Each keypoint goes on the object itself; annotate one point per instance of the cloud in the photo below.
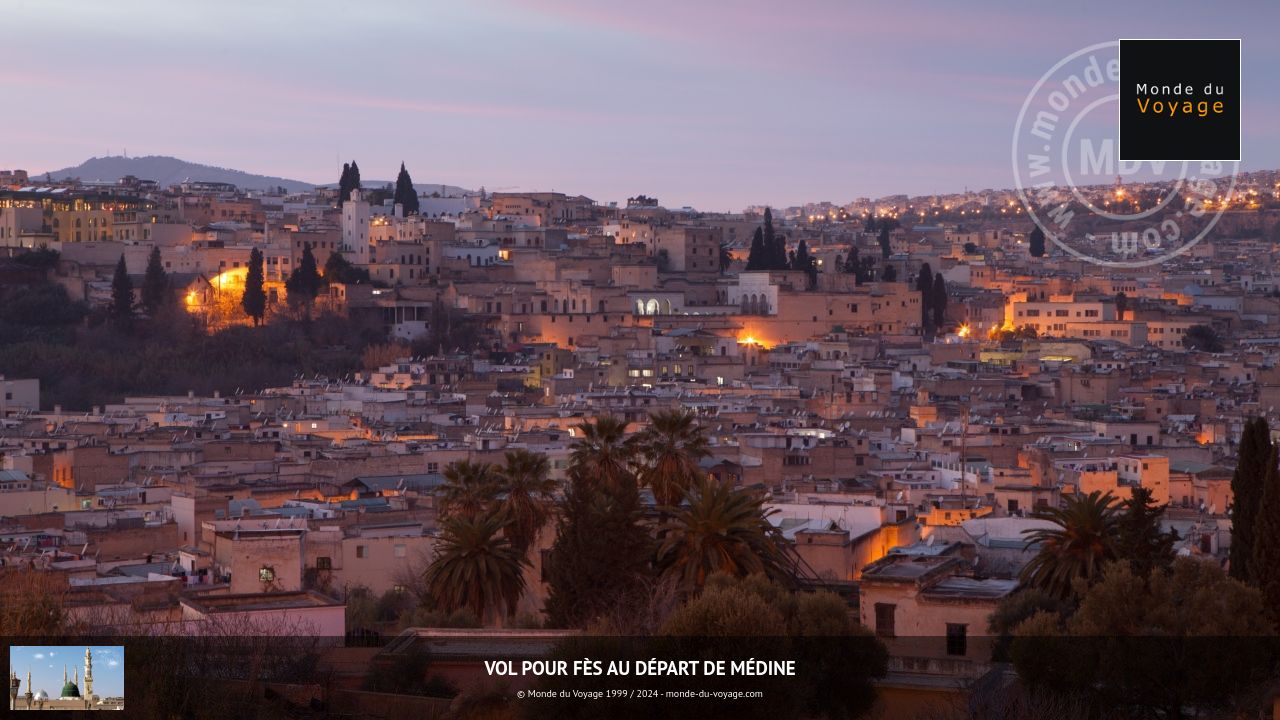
(38, 656)
(113, 663)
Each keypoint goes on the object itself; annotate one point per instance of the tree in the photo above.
(337, 269)
(1246, 489)
(1122, 302)
(349, 181)
(1035, 242)
(885, 248)
(602, 454)
(970, 249)
(155, 284)
(671, 447)
(1266, 541)
(938, 299)
(726, 258)
(756, 258)
(406, 196)
(254, 300)
(924, 285)
(1190, 637)
(1140, 540)
(121, 307)
(775, 246)
(1203, 338)
(526, 495)
(602, 554)
(1083, 541)
(304, 282)
(469, 488)
(721, 529)
(889, 274)
(476, 567)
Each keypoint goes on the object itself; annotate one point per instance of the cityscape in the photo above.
(971, 445)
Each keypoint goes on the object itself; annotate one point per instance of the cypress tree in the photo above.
(1246, 488)
(885, 249)
(254, 300)
(355, 176)
(1036, 242)
(344, 183)
(405, 195)
(939, 300)
(924, 285)
(304, 282)
(121, 307)
(889, 274)
(1265, 564)
(756, 259)
(601, 555)
(775, 248)
(155, 284)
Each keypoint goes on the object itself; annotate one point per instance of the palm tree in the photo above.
(525, 495)
(476, 566)
(602, 454)
(1083, 541)
(671, 447)
(720, 529)
(469, 488)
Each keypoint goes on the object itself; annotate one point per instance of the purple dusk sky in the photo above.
(712, 104)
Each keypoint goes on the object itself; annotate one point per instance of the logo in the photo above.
(1087, 200)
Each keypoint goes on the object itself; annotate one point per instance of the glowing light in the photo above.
(964, 331)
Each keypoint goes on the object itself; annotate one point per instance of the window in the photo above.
(884, 619)
(324, 563)
(360, 551)
(957, 639)
(267, 574)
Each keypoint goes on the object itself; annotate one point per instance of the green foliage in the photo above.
(40, 257)
(469, 488)
(526, 496)
(1035, 242)
(304, 283)
(337, 269)
(601, 556)
(406, 196)
(1203, 338)
(121, 307)
(1140, 540)
(970, 249)
(890, 273)
(720, 529)
(885, 248)
(1265, 567)
(938, 300)
(1246, 488)
(671, 447)
(476, 567)
(169, 354)
(156, 292)
(768, 249)
(1083, 541)
(254, 299)
(349, 181)
(1183, 638)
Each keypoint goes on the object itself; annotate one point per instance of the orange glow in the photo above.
(964, 331)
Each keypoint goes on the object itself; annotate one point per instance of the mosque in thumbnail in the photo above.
(76, 692)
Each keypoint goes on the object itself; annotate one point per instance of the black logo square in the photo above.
(1180, 100)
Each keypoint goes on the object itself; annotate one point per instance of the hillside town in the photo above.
(912, 394)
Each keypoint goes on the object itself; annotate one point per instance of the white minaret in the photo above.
(88, 674)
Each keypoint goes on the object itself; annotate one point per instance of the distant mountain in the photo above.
(168, 171)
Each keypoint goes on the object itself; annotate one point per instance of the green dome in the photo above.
(70, 691)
